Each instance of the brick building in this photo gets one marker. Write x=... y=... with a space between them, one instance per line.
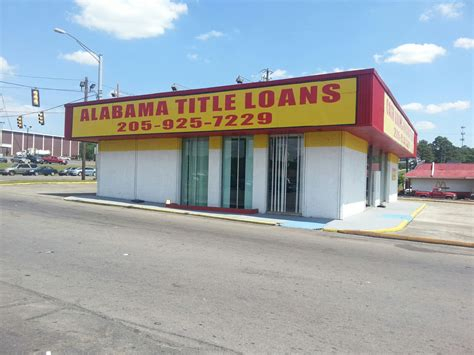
x=17 y=141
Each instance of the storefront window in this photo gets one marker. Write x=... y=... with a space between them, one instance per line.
x=284 y=178
x=194 y=171
x=237 y=172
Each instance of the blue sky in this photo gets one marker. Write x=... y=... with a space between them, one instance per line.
x=422 y=49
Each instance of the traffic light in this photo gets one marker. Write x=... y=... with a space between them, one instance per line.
x=41 y=118
x=19 y=122
x=35 y=97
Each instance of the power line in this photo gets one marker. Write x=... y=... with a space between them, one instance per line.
x=43 y=77
x=43 y=110
x=35 y=87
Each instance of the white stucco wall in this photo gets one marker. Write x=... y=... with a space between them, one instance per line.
x=149 y=175
x=158 y=175
x=454 y=185
x=393 y=182
x=353 y=175
x=116 y=175
x=214 y=178
x=322 y=183
x=260 y=179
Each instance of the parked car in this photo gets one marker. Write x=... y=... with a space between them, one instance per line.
x=90 y=172
x=66 y=171
x=23 y=169
x=436 y=193
x=22 y=160
x=78 y=171
x=43 y=170
x=65 y=158
x=35 y=159
x=3 y=160
x=54 y=160
x=74 y=171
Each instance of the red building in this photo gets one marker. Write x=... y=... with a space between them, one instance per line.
x=17 y=141
x=454 y=177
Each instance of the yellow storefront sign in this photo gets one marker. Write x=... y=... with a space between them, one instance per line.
x=396 y=126
x=317 y=103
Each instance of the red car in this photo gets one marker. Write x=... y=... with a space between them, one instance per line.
x=54 y=160
x=436 y=193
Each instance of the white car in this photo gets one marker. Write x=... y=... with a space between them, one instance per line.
x=78 y=171
x=65 y=158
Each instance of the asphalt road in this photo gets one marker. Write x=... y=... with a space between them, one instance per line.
x=77 y=277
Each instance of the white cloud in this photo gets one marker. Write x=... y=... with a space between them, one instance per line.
x=437 y=108
x=280 y=74
x=425 y=125
x=80 y=57
x=13 y=107
x=414 y=106
x=464 y=42
x=130 y=19
x=447 y=106
x=338 y=70
x=450 y=10
x=209 y=35
x=411 y=53
x=5 y=68
x=192 y=56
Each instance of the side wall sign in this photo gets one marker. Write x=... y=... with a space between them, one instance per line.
x=396 y=126
x=317 y=103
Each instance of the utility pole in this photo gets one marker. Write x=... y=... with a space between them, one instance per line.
x=83 y=144
x=117 y=92
x=462 y=135
x=266 y=74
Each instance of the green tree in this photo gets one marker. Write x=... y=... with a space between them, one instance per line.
x=90 y=151
x=466 y=154
x=444 y=151
x=425 y=151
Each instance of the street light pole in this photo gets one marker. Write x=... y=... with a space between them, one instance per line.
x=83 y=144
x=98 y=57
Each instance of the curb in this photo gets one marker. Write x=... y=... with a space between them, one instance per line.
x=456 y=202
x=276 y=223
x=47 y=183
x=409 y=238
x=385 y=233
x=168 y=210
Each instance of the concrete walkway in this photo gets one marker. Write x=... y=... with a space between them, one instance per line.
x=389 y=222
x=394 y=217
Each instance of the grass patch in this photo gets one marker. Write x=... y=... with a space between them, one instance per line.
x=48 y=181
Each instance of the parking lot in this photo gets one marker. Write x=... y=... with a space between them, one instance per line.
x=19 y=171
x=444 y=220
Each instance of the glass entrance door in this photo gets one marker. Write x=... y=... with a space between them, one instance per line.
x=194 y=171
x=284 y=178
x=237 y=172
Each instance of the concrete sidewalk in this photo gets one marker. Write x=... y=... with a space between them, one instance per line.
x=394 y=217
x=389 y=222
x=268 y=219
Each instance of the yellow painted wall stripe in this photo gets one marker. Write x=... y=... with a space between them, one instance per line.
x=215 y=142
x=141 y=144
x=260 y=141
x=355 y=143
x=393 y=158
x=323 y=139
x=335 y=139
